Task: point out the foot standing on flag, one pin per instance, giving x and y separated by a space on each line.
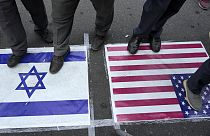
195 83
204 4
63 15
155 14
12 27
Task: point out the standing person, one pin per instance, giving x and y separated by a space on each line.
155 15
195 83
12 27
204 4
63 14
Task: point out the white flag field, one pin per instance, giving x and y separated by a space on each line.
32 97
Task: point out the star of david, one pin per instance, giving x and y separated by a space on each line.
31 89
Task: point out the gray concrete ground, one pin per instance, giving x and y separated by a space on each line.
191 24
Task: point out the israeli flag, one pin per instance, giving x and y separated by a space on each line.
32 97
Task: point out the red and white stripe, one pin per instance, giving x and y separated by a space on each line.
140 84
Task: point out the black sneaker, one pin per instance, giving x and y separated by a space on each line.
98 42
133 44
155 44
57 63
14 60
45 34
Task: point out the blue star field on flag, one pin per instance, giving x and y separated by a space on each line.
177 81
39 85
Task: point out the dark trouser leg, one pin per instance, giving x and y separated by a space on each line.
104 15
152 12
38 13
200 78
173 8
63 15
12 27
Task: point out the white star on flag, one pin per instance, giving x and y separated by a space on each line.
187 113
182 90
195 112
189 108
204 112
183 103
205 93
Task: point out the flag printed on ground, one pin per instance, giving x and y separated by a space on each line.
140 84
32 97
177 80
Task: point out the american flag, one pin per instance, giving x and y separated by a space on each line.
188 112
140 84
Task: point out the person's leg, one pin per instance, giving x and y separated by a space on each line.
200 78
63 15
104 17
195 83
12 27
155 40
152 12
173 8
37 11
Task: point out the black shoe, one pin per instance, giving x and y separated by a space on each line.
133 44
14 60
57 63
45 34
155 44
98 42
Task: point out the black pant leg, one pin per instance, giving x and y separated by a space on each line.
173 8
12 27
152 12
38 13
104 15
200 78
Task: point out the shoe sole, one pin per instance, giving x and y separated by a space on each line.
12 65
185 87
199 4
96 49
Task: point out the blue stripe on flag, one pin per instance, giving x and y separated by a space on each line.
43 108
45 57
